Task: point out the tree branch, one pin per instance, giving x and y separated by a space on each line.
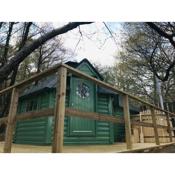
161 32
29 48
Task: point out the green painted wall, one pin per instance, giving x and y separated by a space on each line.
33 131
119 129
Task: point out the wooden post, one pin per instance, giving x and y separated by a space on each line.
168 123
127 122
141 130
58 138
11 121
155 126
169 126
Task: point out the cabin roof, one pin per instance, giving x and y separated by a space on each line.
85 60
50 82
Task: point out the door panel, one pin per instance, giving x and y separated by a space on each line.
82 98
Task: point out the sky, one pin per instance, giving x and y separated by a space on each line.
95 44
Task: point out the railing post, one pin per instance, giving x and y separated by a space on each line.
127 121
169 126
58 137
11 121
153 116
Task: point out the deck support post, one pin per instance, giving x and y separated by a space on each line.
169 126
153 116
59 114
127 122
11 121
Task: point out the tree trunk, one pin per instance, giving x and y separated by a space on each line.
155 89
6 49
23 42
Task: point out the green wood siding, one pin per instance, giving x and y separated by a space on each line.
119 129
79 126
39 131
33 131
87 69
102 132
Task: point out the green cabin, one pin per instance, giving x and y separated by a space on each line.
80 94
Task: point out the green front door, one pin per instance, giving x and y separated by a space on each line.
82 98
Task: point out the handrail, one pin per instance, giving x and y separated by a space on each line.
77 113
101 83
81 74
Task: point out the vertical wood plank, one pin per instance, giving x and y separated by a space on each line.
153 116
11 121
127 122
58 138
141 130
168 123
169 126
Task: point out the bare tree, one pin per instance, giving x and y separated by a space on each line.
29 48
144 45
167 32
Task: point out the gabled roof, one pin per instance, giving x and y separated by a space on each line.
50 82
85 60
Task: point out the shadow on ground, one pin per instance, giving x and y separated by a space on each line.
168 149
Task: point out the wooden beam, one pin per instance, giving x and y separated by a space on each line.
58 138
144 124
11 121
127 122
155 126
154 136
30 115
149 115
92 115
169 126
35 114
77 113
107 118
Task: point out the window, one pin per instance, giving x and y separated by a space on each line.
31 105
83 90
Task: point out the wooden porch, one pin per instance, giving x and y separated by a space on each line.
60 111
115 148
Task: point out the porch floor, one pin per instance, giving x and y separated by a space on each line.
117 147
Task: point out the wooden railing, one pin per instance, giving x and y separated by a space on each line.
60 111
